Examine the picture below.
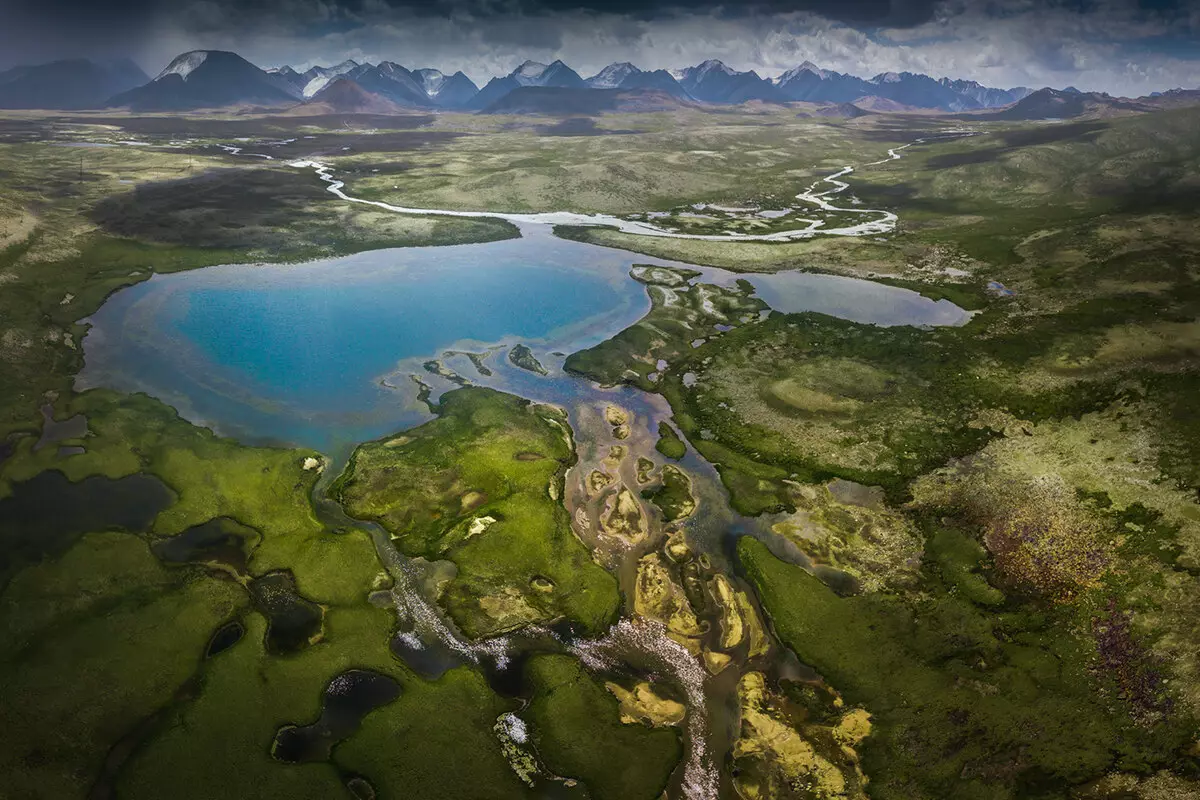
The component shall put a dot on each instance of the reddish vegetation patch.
(1045, 542)
(1128, 666)
(1036, 550)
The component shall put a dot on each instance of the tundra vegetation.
(481, 486)
(992, 531)
(1012, 605)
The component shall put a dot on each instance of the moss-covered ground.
(669, 443)
(576, 724)
(1020, 619)
(967, 703)
(680, 312)
(1011, 614)
(481, 486)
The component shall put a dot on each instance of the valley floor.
(745, 553)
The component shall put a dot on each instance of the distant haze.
(1128, 47)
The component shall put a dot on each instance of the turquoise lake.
(297, 353)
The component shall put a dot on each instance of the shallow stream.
(320, 355)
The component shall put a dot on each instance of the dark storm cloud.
(111, 15)
(38, 30)
(865, 12)
(1123, 46)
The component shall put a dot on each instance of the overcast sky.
(1126, 47)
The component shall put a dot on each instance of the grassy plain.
(653, 162)
(1042, 462)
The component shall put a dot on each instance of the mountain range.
(206, 79)
(218, 79)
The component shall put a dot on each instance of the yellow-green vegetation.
(787, 748)
(673, 494)
(661, 596)
(437, 740)
(831, 254)
(1040, 464)
(644, 704)
(108, 643)
(669, 443)
(967, 703)
(95, 642)
(849, 526)
(577, 728)
(1076, 510)
(488, 454)
(247, 695)
(657, 161)
(434, 741)
(1022, 619)
(700, 607)
(1159, 786)
(265, 489)
(680, 313)
(807, 397)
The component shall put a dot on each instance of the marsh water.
(320, 354)
(299, 353)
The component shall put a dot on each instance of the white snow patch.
(612, 76)
(184, 65)
(316, 84)
(528, 73)
(432, 81)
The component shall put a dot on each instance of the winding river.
(318, 354)
(882, 221)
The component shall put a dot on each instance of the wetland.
(484, 519)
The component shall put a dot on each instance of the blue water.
(317, 339)
(318, 354)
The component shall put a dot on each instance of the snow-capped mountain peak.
(323, 75)
(184, 65)
(431, 80)
(611, 76)
(714, 64)
(796, 72)
(887, 77)
(390, 68)
(528, 73)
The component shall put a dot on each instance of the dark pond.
(226, 637)
(46, 514)
(348, 698)
(221, 540)
(292, 620)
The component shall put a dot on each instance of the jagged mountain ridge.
(210, 78)
(205, 79)
(714, 82)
